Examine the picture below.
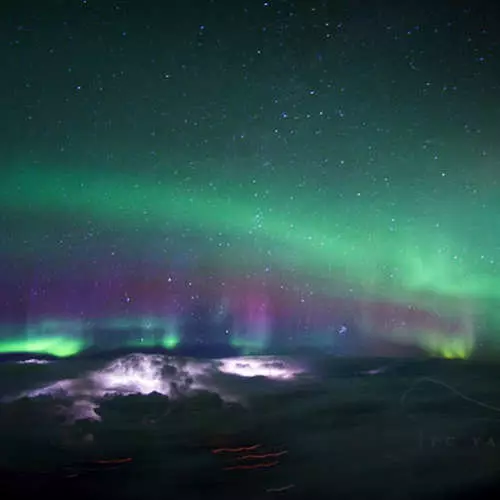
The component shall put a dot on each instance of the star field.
(258, 173)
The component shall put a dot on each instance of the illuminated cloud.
(149, 373)
(260, 366)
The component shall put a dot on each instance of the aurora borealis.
(252, 173)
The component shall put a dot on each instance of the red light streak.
(250, 467)
(236, 450)
(262, 455)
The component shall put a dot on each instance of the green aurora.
(356, 245)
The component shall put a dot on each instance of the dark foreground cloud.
(356, 429)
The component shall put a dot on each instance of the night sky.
(251, 172)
